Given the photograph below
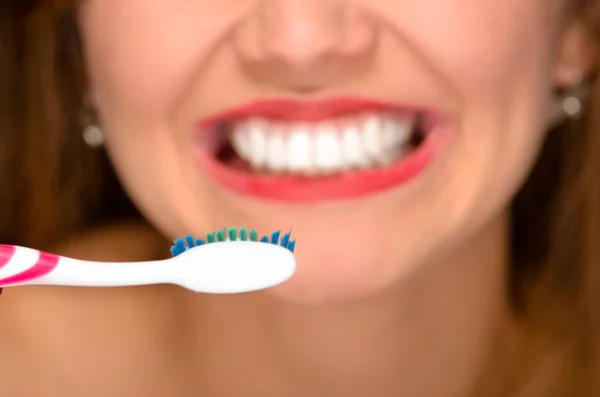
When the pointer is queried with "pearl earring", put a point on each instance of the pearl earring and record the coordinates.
(93, 136)
(569, 104)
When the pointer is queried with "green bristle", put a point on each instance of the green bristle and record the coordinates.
(253, 235)
(210, 237)
(232, 233)
(221, 235)
(243, 234)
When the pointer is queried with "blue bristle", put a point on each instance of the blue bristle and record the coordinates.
(190, 240)
(200, 242)
(292, 245)
(264, 239)
(285, 239)
(275, 237)
(179, 247)
(180, 244)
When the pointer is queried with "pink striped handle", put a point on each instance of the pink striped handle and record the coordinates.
(44, 264)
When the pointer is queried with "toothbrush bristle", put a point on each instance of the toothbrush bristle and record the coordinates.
(275, 237)
(232, 233)
(190, 240)
(210, 238)
(178, 247)
(181, 245)
(285, 239)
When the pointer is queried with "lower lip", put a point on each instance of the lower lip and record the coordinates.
(343, 186)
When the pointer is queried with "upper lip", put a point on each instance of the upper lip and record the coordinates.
(302, 110)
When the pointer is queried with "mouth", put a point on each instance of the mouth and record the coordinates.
(334, 149)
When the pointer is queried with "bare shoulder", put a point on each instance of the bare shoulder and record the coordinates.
(127, 240)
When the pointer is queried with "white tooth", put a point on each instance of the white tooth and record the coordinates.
(299, 150)
(395, 133)
(387, 157)
(257, 140)
(328, 150)
(405, 129)
(313, 150)
(276, 151)
(354, 152)
(372, 136)
(240, 141)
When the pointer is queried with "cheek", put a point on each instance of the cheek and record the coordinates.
(485, 48)
(143, 54)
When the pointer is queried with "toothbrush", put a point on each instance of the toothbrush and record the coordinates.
(226, 261)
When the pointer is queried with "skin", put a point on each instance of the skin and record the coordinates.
(374, 318)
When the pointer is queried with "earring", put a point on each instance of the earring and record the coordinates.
(569, 103)
(92, 133)
(93, 136)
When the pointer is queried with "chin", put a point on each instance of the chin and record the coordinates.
(325, 277)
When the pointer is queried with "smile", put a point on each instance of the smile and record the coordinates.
(334, 149)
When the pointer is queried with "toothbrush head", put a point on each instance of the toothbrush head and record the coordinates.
(181, 245)
(231, 261)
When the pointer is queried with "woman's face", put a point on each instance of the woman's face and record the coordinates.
(349, 83)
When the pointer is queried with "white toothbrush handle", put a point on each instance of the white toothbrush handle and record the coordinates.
(73, 272)
(25, 266)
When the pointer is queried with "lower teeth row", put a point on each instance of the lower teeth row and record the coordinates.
(323, 151)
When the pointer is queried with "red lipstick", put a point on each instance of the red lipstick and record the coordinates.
(343, 186)
(302, 111)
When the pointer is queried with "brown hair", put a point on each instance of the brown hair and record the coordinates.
(8, 107)
(58, 186)
(61, 185)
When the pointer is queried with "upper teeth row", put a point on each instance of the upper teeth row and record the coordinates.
(321, 148)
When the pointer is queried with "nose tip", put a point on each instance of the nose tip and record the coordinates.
(304, 42)
(301, 33)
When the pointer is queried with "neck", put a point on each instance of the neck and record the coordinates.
(430, 336)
